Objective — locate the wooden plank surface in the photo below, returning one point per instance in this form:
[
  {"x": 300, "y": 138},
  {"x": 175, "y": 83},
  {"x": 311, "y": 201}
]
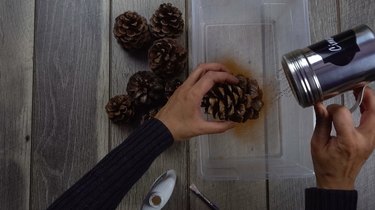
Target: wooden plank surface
[
  {"x": 16, "y": 73},
  {"x": 78, "y": 65},
  {"x": 353, "y": 13},
  {"x": 123, "y": 65},
  {"x": 289, "y": 193},
  {"x": 70, "y": 130}
]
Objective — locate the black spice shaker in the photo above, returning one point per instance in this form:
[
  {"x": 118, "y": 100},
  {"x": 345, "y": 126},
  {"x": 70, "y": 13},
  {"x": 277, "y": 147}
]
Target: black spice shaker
[{"x": 332, "y": 66}]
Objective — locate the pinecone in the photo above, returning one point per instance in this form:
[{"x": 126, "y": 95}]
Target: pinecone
[
  {"x": 237, "y": 103},
  {"x": 149, "y": 114},
  {"x": 146, "y": 89},
  {"x": 120, "y": 109},
  {"x": 131, "y": 30},
  {"x": 171, "y": 86},
  {"x": 167, "y": 58},
  {"x": 167, "y": 22}
]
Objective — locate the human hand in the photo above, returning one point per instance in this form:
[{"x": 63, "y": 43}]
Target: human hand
[
  {"x": 182, "y": 114},
  {"x": 338, "y": 159}
]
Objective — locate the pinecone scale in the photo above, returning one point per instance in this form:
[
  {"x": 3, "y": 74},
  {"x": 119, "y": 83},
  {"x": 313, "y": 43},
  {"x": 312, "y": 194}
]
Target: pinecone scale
[
  {"x": 167, "y": 21},
  {"x": 120, "y": 109},
  {"x": 167, "y": 58},
  {"x": 131, "y": 31},
  {"x": 237, "y": 103},
  {"x": 146, "y": 89}
]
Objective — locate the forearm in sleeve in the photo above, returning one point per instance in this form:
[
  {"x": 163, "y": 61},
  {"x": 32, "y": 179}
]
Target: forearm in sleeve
[
  {"x": 104, "y": 186},
  {"x": 323, "y": 199}
]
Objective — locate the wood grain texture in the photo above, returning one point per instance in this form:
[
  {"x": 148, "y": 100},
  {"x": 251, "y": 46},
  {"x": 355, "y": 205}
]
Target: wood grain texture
[
  {"x": 289, "y": 193},
  {"x": 353, "y": 13},
  {"x": 73, "y": 79},
  {"x": 71, "y": 88},
  {"x": 16, "y": 75},
  {"x": 123, "y": 65}
]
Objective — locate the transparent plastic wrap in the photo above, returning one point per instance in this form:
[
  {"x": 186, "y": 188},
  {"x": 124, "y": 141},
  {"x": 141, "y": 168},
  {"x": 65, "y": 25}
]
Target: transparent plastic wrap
[{"x": 255, "y": 34}]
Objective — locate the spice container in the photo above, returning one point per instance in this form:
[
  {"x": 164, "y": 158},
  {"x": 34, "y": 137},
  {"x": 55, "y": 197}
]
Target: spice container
[{"x": 332, "y": 66}]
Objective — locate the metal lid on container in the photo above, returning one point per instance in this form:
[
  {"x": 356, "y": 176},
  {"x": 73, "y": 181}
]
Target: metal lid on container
[{"x": 301, "y": 78}]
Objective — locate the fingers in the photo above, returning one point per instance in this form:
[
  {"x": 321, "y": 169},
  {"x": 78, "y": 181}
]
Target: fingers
[
  {"x": 202, "y": 69},
  {"x": 342, "y": 120},
  {"x": 368, "y": 111},
  {"x": 368, "y": 102},
  {"x": 323, "y": 126},
  {"x": 210, "y": 79},
  {"x": 211, "y": 127}
]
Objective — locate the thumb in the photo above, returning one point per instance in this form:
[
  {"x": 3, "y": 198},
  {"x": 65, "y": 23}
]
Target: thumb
[{"x": 368, "y": 111}]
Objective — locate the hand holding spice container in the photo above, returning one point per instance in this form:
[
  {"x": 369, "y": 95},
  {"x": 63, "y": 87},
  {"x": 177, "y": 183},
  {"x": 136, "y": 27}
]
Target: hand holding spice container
[{"x": 330, "y": 67}]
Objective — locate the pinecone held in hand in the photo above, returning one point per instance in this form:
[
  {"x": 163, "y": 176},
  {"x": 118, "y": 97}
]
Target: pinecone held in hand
[
  {"x": 167, "y": 58},
  {"x": 146, "y": 89},
  {"x": 131, "y": 30},
  {"x": 167, "y": 21},
  {"x": 237, "y": 103},
  {"x": 120, "y": 109}
]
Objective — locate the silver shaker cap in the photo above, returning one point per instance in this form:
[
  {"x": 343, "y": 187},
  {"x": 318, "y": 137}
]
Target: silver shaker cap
[{"x": 301, "y": 78}]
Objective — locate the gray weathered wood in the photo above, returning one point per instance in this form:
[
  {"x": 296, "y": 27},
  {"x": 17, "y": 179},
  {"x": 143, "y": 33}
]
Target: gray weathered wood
[
  {"x": 16, "y": 73},
  {"x": 289, "y": 194},
  {"x": 70, "y": 129},
  {"x": 124, "y": 64},
  {"x": 353, "y": 13},
  {"x": 70, "y": 132}
]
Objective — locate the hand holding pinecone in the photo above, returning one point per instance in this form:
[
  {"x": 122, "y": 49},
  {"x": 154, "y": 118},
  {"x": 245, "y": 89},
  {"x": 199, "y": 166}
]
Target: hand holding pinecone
[
  {"x": 237, "y": 103},
  {"x": 167, "y": 60}
]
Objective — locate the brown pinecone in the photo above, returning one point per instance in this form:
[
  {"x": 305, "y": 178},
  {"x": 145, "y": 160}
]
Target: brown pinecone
[
  {"x": 167, "y": 21},
  {"x": 120, "y": 109},
  {"x": 131, "y": 30},
  {"x": 167, "y": 58},
  {"x": 149, "y": 114},
  {"x": 237, "y": 103},
  {"x": 146, "y": 88},
  {"x": 171, "y": 86}
]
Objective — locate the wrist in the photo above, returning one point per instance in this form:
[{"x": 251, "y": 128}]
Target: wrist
[
  {"x": 335, "y": 183},
  {"x": 168, "y": 124}
]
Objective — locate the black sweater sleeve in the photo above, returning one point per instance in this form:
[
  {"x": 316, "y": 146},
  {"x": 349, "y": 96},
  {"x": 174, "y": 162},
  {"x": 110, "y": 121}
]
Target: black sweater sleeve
[
  {"x": 104, "y": 186},
  {"x": 322, "y": 199}
]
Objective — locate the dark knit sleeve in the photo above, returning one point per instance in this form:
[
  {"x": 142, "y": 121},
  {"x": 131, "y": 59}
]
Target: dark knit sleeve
[
  {"x": 322, "y": 199},
  {"x": 106, "y": 184}
]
